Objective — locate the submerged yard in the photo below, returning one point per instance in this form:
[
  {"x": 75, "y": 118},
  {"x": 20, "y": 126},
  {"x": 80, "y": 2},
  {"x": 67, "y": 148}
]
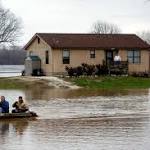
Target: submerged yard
[
  {"x": 93, "y": 117},
  {"x": 103, "y": 82},
  {"x": 78, "y": 119},
  {"x": 43, "y": 82},
  {"x": 19, "y": 83}
]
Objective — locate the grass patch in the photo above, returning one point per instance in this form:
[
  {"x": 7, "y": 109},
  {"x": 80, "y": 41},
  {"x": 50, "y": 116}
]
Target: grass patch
[
  {"x": 14, "y": 83},
  {"x": 6, "y": 83},
  {"x": 108, "y": 82}
]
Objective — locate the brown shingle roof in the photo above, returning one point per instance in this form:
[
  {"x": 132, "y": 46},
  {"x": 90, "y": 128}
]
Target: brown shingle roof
[{"x": 105, "y": 41}]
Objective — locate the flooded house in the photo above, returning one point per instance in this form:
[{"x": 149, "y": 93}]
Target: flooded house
[{"x": 54, "y": 51}]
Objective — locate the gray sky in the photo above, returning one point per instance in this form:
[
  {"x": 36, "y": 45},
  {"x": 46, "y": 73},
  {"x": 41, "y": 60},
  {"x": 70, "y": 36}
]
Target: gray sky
[{"x": 78, "y": 15}]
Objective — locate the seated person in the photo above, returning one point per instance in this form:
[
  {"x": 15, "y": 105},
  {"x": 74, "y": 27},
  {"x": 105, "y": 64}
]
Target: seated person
[
  {"x": 20, "y": 106},
  {"x": 4, "y": 105}
]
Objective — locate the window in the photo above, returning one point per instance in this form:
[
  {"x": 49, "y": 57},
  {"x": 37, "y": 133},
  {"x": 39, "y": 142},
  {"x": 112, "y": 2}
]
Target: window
[
  {"x": 92, "y": 53},
  {"x": 66, "y": 56},
  {"x": 46, "y": 57},
  {"x": 134, "y": 56},
  {"x": 38, "y": 40}
]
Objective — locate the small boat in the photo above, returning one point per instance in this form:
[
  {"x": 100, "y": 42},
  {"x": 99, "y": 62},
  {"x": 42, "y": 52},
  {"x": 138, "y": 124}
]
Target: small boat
[{"x": 30, "y": 114}]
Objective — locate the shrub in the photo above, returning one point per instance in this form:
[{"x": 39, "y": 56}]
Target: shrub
[
  {"x": 87, "y": 70},
  {"x": 70, "y": 71},
  {"x": 101, "y": 69}
]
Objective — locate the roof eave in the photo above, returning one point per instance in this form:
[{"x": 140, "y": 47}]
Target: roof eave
[
  {"x": 30, "y": 42},
  {"x": 32, "y": 39},
  {"x": 66, "y": 47}
]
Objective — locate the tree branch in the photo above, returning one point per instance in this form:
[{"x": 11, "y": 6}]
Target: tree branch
[{"x": 10, "y": 27}]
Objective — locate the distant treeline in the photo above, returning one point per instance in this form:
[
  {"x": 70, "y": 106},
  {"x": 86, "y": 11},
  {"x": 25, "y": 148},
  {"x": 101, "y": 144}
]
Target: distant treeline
[{"x": 12, "y": 56}]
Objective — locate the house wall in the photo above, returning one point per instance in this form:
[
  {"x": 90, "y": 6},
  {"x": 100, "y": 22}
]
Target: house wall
[
  {"x": 39, "y": 50},
  {"x": 77, "y": 57},
  {"x": 143, "y": 66}
]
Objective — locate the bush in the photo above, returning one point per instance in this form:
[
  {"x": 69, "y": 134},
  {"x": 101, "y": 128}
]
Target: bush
[
  {"x": 70, "y": 71},
  {"x": 87, "y": 70},
  {"x": 101, "y": 69}
]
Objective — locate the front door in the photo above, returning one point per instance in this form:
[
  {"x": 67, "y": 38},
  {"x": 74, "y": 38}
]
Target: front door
[{"x": 109, "y": 57}]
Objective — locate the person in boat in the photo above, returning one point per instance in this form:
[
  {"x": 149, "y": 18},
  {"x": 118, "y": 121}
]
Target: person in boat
[
  {"x": 20, "y": 106},
  {"x": 4, "y": 105}
]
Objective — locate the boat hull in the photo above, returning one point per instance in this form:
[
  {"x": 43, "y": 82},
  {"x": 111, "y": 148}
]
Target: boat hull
[{"x": 17, "y": 115}]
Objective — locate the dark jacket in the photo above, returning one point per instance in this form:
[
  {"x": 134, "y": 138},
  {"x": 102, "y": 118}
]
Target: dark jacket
[{"x": 5, "y": 106}]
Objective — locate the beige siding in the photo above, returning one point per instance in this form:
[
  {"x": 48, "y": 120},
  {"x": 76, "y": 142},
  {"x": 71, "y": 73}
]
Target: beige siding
[
  {"x": 141, "y": 67},
  {"x": 123, "y": 55},
  {"x": 77, "y": 57},
  {"x": 39, "y": 50}
]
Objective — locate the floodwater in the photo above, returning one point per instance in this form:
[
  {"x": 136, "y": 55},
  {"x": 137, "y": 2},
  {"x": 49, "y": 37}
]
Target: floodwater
[
  {"x": 79, "y": 120},
  {"x": 11, "y": 70}
]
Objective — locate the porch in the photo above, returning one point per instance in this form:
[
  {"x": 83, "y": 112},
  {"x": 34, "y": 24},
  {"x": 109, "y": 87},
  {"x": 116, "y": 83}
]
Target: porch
[{"x": 118, "y": 69}]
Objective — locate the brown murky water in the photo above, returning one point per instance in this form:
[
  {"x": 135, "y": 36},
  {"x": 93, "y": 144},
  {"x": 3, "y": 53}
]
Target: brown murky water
[{"x": 79, "y": 120}]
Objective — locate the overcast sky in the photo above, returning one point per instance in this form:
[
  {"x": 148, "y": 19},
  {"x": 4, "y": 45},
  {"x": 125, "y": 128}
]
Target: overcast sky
[{"x": 78, "y": 15}]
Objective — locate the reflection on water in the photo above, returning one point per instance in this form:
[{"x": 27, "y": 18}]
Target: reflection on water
[
  {"x": 73, "y": 120},
  {"x": 38, "y": 93},
  {"x": 17, "y": 126},
  {"x": 4, "y": 128},
  {"x": 20, "y": 126},
  {"x": 66, "y": 134}
]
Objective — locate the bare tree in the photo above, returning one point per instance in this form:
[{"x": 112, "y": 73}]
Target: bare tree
[
  {"x": 10, "y": 27},
  {"x": 105, "y": 28},
  {"x": 145, "y": 35}
]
